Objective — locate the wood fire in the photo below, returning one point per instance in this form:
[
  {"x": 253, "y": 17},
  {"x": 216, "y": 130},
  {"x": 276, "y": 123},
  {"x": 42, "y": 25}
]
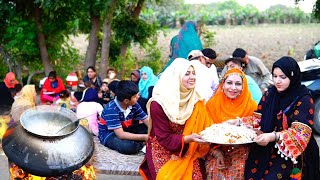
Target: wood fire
[{"x": 86, "y": 172}]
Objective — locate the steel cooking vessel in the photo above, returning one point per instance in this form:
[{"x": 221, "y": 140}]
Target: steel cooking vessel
[{"x": 34, "y": 145}]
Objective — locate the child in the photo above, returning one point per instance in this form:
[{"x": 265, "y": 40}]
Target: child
[
  {"x": 115, "y": 125},
  {"x": 64, "y": 100},
  {"x": 90, "y": 109},
  {"x": 104, "y": 94},
  {"x": 112, "y": 88}
]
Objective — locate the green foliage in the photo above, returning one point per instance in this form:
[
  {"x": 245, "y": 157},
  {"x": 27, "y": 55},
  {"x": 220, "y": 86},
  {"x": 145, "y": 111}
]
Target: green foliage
[
  {"x": 316, "y": 10},
  {"x": 127, "y": 28},
  {"x": 114, "y": 49},
  {"x": 3, "y": 68},
  {"x": 67, "y": 60},
  {"x": 227, "y": 13},
  {"x": 20, "y": 38},
  {"x": 164, "y": 12},
  {"x": 19, "y": 33},
  {"x": 129, "y": 63},
  {"x": 7, "y": 12},
  {"x": 208, "y": 38},
  {"x": 152, "y": 57}
]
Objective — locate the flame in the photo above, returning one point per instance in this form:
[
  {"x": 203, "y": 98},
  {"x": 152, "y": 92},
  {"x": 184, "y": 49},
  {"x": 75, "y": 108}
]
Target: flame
[
  {"x": 86, "y": 172},
  {"x": 18, "y": 173}
]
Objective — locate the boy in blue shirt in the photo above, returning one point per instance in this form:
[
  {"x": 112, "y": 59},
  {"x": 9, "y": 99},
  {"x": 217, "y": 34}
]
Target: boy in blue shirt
[{"x": 116, "y": 128}]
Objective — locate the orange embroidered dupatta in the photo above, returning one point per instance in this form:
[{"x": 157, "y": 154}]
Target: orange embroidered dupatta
[
  {"x": 221, "y": 108},
  {"x": 182, "y": 168}
]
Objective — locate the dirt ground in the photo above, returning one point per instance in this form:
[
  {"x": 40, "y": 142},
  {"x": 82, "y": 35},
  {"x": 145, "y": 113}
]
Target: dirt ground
[{"x": 267, "y": 42}]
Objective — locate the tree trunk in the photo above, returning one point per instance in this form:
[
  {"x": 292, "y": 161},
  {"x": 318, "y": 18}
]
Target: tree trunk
[
  {"x": 92, "y": 49},
  {"x": 123, "y": 53},
  {"x": 125, "y": 45},
  {"x": 42, "y": 43},
  {"x": 105, "y": 49},
  {"x": 6, "y": 58},
  {"x": 32, "y": 74},
  {"x": 18, "y": 69}
]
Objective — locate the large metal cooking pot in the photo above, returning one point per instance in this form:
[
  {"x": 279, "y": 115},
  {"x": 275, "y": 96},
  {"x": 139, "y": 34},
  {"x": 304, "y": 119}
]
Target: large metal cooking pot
[{"x": 34, "y": 145}]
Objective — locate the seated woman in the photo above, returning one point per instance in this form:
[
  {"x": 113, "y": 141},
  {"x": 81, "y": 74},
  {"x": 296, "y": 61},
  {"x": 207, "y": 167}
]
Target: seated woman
[
  {"x": 51, "y": 88},
  {"x": 93, "y": 77},
  {"x": 177, "y": 114},
  {"x": 232, "y": 99},
  {"x": 287, "y": 148},
  {"x": 146, "y": 83},
  {"x": 90, "y": 109},
  {"x": 5, "y": 95},
  {"x": 26, "y": 100},
  {"x": 147, "y": 80},
  {"x": 135, "y": 76}
]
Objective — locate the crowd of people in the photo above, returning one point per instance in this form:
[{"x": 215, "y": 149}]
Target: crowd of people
[{"x": 164, "y": 114}]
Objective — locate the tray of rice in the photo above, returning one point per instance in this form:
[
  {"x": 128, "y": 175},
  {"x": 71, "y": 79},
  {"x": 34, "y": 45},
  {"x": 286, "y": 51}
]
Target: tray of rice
[{"x": 227, "y": 134}]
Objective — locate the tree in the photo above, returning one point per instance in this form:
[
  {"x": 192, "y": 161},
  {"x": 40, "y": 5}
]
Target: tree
[
  {"x": 316, "y": 8},
  {"x": 34, "y": 34},
  {"x": 94, "y": 13},
  {"x": 105, "y": 49},
  {"x": 129, "y": 27}
]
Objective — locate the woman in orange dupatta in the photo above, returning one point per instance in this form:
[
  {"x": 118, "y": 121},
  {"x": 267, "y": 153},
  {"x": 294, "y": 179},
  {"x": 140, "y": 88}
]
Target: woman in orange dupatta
[
  {"x": 231, "y": 100},
  {"x": 177, "y": 114}
]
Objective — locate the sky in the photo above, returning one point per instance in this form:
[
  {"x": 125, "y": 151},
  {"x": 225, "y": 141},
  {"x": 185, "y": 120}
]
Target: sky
[{"x": 305, "y": 5}]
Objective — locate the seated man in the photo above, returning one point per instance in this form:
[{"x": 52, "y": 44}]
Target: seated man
[
  {"x": 116, "y": 128},
  {"x": 254, "y": 68}
]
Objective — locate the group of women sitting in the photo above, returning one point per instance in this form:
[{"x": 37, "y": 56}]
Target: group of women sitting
[
  {"x": 177, "y": 111},
  {"x": 88, "y": 101}
]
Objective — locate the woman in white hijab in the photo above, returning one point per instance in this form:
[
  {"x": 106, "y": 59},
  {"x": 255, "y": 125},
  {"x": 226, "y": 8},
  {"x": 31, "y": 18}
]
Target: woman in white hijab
[
  {"x": 177, "y": 114},
  {"x": 26, "y": 100}
]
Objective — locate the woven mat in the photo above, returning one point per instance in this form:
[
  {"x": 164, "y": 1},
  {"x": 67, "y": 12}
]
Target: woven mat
[{"x": 107, "y": 161}]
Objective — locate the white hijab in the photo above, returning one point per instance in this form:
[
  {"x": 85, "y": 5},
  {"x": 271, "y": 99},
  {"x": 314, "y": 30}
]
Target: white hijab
[{"x": 176, "y": 101}]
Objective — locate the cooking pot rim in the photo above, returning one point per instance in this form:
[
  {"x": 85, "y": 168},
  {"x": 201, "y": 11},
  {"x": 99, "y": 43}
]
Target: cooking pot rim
[{"x": 45, "y": 109}]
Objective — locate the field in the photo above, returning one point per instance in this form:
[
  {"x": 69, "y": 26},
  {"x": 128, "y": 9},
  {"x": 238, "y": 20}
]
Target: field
[{"x": 267, "y": 42}]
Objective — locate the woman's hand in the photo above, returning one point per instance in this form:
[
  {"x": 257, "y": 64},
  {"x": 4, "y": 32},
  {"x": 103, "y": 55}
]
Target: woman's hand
[
  {"x": 233, "y": 121},
  {"x": 264, "y": 139},
  {"x": 193, "y": 138},
  {"x": 145, "y": 137}
]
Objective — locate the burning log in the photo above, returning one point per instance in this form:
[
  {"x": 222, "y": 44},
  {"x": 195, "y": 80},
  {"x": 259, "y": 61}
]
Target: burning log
[{"x": 86, "y": 172}]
